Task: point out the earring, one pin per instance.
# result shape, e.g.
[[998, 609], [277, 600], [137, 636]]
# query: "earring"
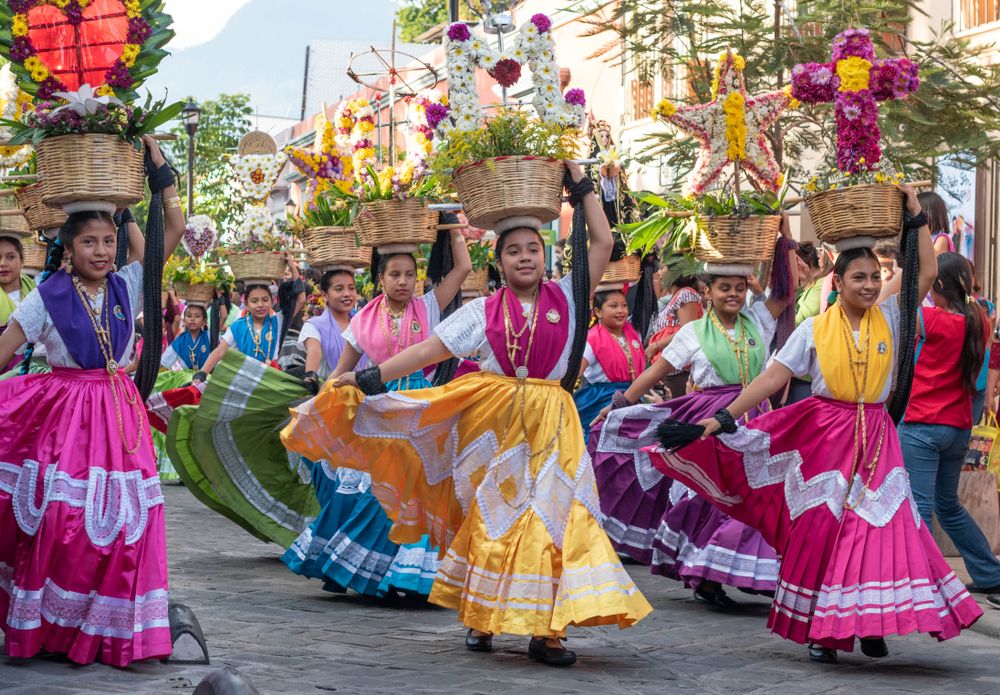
[[838, 299], [503, 280]]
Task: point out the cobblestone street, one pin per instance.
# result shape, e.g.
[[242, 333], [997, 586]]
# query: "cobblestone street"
[[288, 636]]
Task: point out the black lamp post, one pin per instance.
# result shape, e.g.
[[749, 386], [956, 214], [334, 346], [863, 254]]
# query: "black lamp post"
[[190, 115], [290, 206]]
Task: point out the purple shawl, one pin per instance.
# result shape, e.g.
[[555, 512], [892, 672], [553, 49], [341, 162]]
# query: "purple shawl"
[[332, 339], [70, 318], [551, 333]]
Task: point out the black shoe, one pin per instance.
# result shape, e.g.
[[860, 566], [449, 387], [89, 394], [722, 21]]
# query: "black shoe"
[[973, 589], [715, 599], [478, 643], [822, 655], [993, 600], [875, 647], [539, 650]]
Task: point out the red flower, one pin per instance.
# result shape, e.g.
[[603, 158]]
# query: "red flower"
[[507, 72]]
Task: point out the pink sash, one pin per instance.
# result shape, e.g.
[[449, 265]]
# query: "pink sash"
[[551, 333], [611, 356], [371, 336]]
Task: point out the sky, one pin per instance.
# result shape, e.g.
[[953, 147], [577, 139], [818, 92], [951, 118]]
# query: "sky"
[[198, 21]]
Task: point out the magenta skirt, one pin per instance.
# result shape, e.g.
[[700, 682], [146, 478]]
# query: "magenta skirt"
[[867, 572], [83, 561]]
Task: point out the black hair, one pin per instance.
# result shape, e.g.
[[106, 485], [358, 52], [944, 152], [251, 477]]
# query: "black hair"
[[713, 278], [378, 266], [16, 243], [936, 209], [502, 241], [807, 252], [204, 312], [240, 287], [560, 244], [600, 298], [685, 281], [845, 259], [327, 280], [256, 286], [383, 261], [954, 283], [76, 222], [887, 248]]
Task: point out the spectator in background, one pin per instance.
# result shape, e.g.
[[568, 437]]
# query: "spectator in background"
[[937, 220], [887, 252], [683, 306], [811, 274], [979, 400]]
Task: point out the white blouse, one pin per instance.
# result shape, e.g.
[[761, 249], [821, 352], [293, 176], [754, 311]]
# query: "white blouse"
[[433, 319], [310, 331], [38, 327], [799, 353], [464, 333], [15, 297], [685, 349]]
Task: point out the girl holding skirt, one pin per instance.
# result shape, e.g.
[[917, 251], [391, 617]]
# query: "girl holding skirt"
[[14, 286], [492, 465], [823, 479], [83, 566], [659, 521]]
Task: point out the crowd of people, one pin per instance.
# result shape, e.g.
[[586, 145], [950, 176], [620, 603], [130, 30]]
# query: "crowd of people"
[[500, 455]]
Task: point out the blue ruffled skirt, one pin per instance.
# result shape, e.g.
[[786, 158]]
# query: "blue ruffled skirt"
[[348, 545], [591, 399]]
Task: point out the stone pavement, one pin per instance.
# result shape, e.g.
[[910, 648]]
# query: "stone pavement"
[[288, 636]]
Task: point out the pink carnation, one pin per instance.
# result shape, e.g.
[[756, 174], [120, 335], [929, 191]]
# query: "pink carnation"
[[458, 32], [576, 97], [541, 22]]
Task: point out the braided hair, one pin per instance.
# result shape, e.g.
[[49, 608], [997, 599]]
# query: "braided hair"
[[909, 302], [645, 295], [215, 324], [440, 264], [581, 277]]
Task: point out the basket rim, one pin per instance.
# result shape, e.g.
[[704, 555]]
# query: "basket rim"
[[853, 187], [525, 157]]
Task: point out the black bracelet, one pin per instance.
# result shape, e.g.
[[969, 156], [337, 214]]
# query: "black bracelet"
[[914, 221], [160, 178], [577, 189], [200, 376], [370, 381], [726, 422]]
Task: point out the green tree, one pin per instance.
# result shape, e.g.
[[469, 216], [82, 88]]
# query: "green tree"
[[954, 112], [418, 16]]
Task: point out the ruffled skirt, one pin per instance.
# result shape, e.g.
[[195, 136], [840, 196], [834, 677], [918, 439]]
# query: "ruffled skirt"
[[591, 399], [525, 551], [870, 571]]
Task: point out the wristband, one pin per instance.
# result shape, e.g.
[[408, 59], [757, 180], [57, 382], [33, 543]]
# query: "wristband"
[[312, 374], [200, 376], [618, 400], [577, 189], [159, 178], [370, 381], [726, 422], [914, 221]]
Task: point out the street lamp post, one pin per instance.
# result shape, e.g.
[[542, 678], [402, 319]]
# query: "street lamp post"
[[190, 116]]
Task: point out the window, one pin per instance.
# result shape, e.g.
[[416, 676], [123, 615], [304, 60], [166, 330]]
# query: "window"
[[976, 13]]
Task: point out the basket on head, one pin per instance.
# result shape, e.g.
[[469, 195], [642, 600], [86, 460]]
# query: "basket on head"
[[628, 269], [40, 217], [856, 216], [392, 222], [335, 246], [257, 268], [34, 257], [477, 281], [735, 245], [198, 293], [14, 225], [492, 190], [90, 167]]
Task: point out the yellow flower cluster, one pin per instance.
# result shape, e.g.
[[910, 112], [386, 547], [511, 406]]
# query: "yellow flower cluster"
[[324, 134], [738, 63], [421, 142], [853, 73], [19, 27], [793, 103], [132, 9], [38, 71], [736, 128], [22, 99], [130, 53], [363, 157], [894, 179], [663, 109], [406, 170], [385, 178]]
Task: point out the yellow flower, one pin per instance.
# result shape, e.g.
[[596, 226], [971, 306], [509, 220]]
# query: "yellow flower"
[[32, 63], [861, 161], [130, 53], [20, 25], [132, 8], [810, 186], [853, 73], [105, 91], [793, 103], [664, 108], [736, 129]]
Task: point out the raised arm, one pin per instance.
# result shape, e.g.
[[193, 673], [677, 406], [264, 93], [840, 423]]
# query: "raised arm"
[[598, 230], [451, 284], [408, 361], [173, 217], [774, 306], [928, 259]]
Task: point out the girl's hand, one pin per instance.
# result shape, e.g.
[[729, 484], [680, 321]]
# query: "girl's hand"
[[786, 227], [912, 204], [653, 350], [575, 172], [154, 150], [290, 259], [654, 397], [753, 284], [710, 425], [602, 416], [346, 379]]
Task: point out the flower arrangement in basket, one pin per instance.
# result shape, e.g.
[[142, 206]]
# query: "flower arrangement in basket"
[[856, 201], [482, 253], [326, 232], [12, 220], [34, 256], [196, 281], [325, 164]]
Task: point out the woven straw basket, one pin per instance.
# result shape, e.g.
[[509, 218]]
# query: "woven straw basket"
[[514, 186], [90, 167], [326, 246], [267, 265], [199, 292], [872, 210], [34, 256], [384, 222], [40, 217], [477, 281], [735, 240], [627, 269], [15, 225]]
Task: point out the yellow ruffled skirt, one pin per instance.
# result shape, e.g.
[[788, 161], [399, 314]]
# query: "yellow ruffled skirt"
[[526, 553]]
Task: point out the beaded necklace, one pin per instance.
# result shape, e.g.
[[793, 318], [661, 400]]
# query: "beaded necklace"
[[256, 337], [739, 346]]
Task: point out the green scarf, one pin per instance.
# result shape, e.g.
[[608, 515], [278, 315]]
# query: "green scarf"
[[719, 350], [7, 304]]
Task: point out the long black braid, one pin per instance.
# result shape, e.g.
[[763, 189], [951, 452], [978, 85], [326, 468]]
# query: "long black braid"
[[288, 291], [909, 302], [645, 296], [122, 221], [581, 278], [440, 264], [215, 323], [53, 261]]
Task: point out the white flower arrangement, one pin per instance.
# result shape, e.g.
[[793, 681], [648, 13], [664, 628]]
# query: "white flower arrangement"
[[257, 223], [11, 99], [531, 45], [258, 172], [200, 235]]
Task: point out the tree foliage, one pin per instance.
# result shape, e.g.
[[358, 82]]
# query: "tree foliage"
[[418, 16], [954, 112]]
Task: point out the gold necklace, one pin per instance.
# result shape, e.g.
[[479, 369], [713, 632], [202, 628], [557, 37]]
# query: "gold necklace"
[[192, 355], [511, 337], [393, 317], [104, 342], [742, 352], [393, 331], [623, 344], [256, 338]]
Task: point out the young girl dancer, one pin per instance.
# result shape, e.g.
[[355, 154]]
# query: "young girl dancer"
[[492, 465], [661, 522], [83, 567], [823, 479], [190, 349], [14, 286], [322, 337]]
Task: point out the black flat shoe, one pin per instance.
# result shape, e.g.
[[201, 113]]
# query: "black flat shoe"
[[973, 589], [874, 647], [539, 650], [478, 643], [716, 599], [822, 655]]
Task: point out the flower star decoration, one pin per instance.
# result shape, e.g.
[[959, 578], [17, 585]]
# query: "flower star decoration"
[[84, 101], [854, 81], [730, 128]]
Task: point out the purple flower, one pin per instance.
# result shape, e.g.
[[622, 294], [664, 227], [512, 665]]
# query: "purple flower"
[[21, 49], [458, 32], [21, 6], [50, 85], [822, 75], [809, 89], [74, 13], [576, 97], [138, 30], [542, 22], [853, 42], [435, 114], [118, 75]]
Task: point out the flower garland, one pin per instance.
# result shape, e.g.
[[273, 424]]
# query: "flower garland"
[[200, 235], [147, 32], [13, 103], [324, 165], [428, 117], [355, 121], [534, 46], [258, 172], [258, 225]]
